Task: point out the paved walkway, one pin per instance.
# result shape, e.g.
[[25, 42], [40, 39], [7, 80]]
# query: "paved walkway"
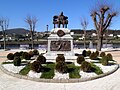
[[111, 82]]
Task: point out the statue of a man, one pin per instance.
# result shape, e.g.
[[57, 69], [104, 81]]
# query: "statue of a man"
[[61, 19]]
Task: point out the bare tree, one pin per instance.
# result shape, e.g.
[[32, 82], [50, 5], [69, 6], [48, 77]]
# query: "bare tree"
[[102, 19], [84, 24], [4, 23], [31, 21]]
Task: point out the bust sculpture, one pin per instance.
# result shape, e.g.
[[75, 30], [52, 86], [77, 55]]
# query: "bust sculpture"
[[61, 19]]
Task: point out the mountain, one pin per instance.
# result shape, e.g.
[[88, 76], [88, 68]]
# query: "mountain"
[[17, 31]]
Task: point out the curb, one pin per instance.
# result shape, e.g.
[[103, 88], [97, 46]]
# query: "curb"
[[57, 80]]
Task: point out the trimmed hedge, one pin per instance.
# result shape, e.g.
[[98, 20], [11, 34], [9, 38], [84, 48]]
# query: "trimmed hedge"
[[10, 56], [41, 59], [60, 58], [61, 67], [102, 54], [80, 59], [36, 52], [36, 66], [109, 56], [88, 53], [26, 56], [84, 53], [85, 66], [93, 56], [104, 61], [17, 61]]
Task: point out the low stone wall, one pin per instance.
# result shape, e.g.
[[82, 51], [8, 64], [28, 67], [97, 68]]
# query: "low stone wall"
[[57, 80]]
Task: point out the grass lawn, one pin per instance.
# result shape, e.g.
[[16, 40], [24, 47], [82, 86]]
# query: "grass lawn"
[[12, 62], [96, 69], [7, 62], [49, 71], [25, 70], [73, 71]]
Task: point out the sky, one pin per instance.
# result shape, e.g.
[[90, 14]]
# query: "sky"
[[44, 10]]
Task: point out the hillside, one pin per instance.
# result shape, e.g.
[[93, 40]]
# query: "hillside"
[[17, 31]]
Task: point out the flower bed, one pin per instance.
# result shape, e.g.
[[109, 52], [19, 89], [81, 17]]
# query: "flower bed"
[[47, 69]]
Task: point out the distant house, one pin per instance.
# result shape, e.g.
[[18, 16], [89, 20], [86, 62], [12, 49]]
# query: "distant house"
[[94, 34]]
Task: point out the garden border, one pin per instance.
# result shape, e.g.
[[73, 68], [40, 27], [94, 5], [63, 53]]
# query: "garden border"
[[57, 80]]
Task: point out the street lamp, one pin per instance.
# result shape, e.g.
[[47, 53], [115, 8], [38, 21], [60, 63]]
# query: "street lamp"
[[47, 35], [47, 28]]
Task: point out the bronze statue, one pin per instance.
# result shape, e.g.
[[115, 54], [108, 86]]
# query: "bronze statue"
[[61, 19]]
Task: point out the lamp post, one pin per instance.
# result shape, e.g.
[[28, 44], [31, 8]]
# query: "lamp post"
[[47, 29], [47, 34]]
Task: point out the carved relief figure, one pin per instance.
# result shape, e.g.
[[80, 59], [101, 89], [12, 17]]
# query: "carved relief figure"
[[60, 46]]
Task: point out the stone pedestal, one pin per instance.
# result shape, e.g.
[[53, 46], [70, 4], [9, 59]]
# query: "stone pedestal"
[[60, 42]]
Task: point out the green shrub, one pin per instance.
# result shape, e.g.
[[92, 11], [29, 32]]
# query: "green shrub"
[[17, 61], [88, 53], [16, 54], [93, 56], [80, 59], [85, 66], [31, 53], [109, 56], [10, 56], [36, 66], [36, 52], [61, 67], [26, 56], [104, 61], [84, 53], [97, 53], [60, 58], [102, 54], [41, 59], [21, 52]]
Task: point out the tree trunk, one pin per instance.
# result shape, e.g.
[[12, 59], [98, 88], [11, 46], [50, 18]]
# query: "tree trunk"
[[4, 37], [84, 42], [84, 38], [32, 41], [99, 44]]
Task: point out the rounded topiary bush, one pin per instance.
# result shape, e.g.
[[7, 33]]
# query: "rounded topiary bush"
[[16, 54], [17, 61], [61, 67], [102, 54], [93, 56], [41, 59], [84, 53], [80, 59], [85, 66], [60, 58], [36, 66], [21, 52], [109, 56], [10, 56], [36, 52], [31, 53], [88, 53], [104, 61], [26, 56], [97, 53]]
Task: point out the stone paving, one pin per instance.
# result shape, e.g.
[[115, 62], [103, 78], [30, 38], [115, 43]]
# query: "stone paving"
[[111, 82]]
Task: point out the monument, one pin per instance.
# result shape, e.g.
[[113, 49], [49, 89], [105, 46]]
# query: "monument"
[[60, 40]]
